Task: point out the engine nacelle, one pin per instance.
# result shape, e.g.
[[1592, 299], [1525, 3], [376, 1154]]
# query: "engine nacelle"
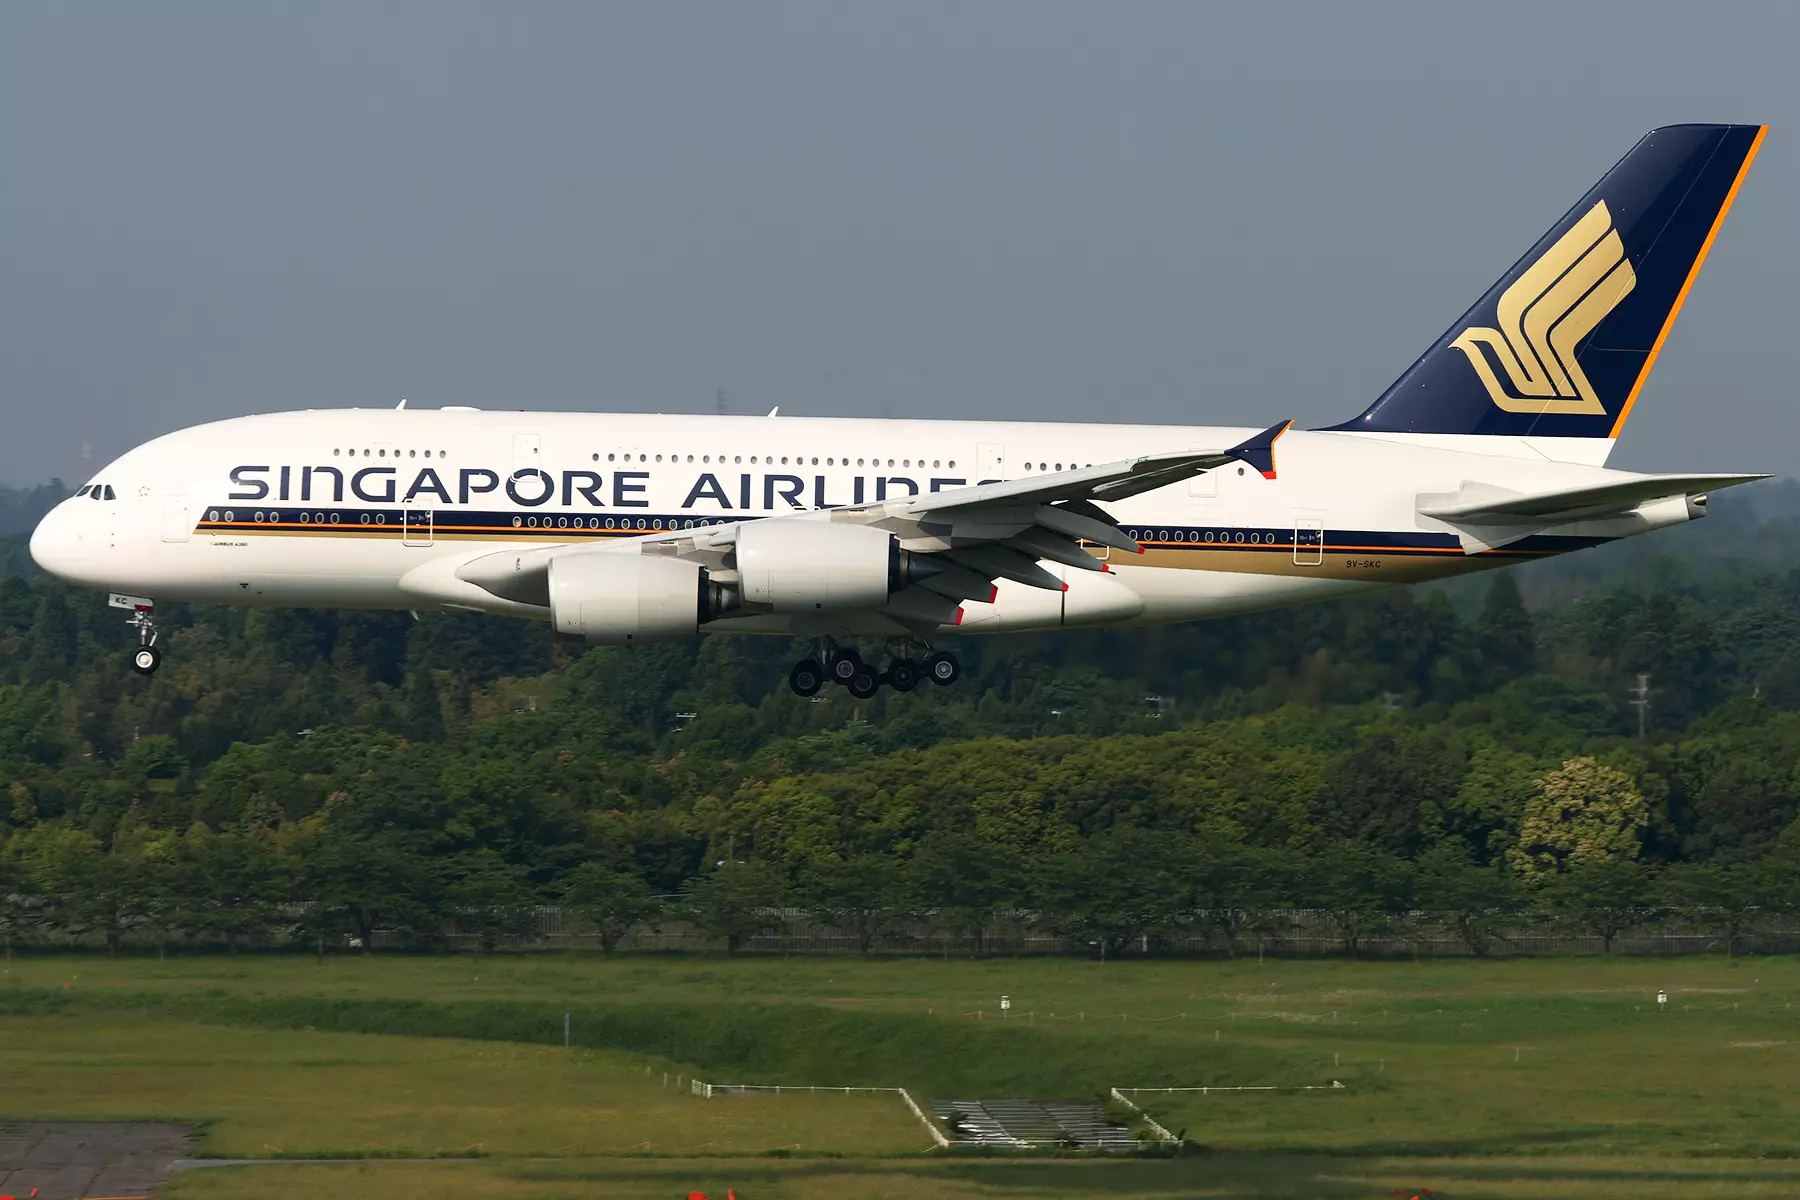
[[610, 598], [817, 566]]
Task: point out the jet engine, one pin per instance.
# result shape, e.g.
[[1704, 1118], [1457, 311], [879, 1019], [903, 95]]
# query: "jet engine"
[[818, 566], [612, 599]]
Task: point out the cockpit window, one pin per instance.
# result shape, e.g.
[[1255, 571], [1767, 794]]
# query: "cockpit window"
[[85, 488], [110, 494]]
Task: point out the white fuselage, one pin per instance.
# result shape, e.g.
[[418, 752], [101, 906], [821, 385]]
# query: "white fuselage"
[[377, 508]]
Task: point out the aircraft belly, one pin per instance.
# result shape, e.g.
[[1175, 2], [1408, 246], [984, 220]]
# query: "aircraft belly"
[[281, 571], [1171, 594]]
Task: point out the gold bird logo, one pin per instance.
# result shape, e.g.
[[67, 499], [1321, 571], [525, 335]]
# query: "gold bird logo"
[[1544, 315]]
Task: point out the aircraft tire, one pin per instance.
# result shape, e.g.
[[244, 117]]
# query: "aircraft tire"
[[145, 660], [903, 675], [844, 665], [864, 684], [807, 677], [942, 668]]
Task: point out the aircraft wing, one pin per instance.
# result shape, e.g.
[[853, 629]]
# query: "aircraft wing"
[[968, 537]]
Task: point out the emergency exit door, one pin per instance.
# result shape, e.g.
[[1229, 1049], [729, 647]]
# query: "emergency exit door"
[[1309, 541], [415, 527]]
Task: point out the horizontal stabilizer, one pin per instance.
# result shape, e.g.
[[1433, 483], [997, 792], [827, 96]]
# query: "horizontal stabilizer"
[[1484, 504]]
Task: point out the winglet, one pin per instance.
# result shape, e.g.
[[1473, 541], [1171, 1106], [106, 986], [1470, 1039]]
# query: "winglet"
[[1259, 451]]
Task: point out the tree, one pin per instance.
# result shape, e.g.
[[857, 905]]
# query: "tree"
[[89, 891], [862, 895], [1365, 891], [961, 882], [235, 882], [1473, 901], [1730, 900], [735, 901], [612, 900], [1583, 811], [363, 882], [1235, 886], [21, 908], [1115, 888], [491, 897], [1604, 897], [1505, 633], [51, 643]]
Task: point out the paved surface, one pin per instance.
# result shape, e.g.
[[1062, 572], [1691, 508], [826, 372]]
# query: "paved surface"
[[70, 1160], [1021, 1123]]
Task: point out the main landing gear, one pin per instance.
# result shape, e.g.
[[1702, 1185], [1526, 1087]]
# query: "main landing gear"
[[842, 665], [146, 658]]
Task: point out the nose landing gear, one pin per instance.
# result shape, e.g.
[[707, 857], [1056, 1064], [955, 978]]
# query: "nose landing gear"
[[146, 658], [842, 665]]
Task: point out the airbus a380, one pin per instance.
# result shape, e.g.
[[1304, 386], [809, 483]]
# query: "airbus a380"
[[618, 528]]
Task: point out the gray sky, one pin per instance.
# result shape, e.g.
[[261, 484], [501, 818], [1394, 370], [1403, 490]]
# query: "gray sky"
[[1162, 212]]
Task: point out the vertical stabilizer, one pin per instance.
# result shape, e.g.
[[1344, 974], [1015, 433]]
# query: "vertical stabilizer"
[[1562, 344]]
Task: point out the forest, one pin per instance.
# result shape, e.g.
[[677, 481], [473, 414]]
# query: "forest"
[[1603, 743]]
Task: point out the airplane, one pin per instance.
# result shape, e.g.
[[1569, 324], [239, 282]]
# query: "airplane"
[[620, 528]]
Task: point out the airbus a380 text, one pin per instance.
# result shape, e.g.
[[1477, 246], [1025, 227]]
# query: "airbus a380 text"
[[622, 528]]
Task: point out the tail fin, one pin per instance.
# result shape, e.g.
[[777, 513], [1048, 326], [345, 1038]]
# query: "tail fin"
[[1561, 345]]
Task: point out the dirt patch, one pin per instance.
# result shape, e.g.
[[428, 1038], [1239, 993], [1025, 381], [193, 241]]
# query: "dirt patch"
[[66, 1160]]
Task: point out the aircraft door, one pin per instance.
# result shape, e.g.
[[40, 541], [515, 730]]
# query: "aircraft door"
[[990, 461], [1309, 541], [527, 452], [416, 527], [177, 519]]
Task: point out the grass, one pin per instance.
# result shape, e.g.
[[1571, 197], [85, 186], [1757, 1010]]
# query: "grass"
[[1316, 1177], [269, 1093], [1513, 1078]]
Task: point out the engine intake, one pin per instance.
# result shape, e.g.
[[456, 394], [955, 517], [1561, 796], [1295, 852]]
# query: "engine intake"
[[817, 566], [609, 598]]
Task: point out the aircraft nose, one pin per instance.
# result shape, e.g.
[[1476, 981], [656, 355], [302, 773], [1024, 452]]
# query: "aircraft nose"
[[55, 546]]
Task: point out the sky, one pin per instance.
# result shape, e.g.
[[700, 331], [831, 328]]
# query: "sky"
[[1015, 209]]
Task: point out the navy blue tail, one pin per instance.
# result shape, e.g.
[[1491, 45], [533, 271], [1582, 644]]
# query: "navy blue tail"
[[1560, 346]]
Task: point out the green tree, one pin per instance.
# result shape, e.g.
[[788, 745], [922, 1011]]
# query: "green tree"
[[1366, 892], [736, 901], [614, 901], [1473, 901], [1584, 811], [864, 896], [961, 882], [50, 646], [1603, 897], [236, 882], [1505, 633], [361, 883], [1115, 888], [490, 897], [1732, 901]]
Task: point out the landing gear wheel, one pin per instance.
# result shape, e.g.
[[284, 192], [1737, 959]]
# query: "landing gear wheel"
[[942, 668], [807, 677], [145, 660], [864, 684], [903, 675], [845, 663]]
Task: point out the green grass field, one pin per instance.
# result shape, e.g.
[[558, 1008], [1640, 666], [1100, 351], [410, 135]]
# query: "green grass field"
[[1553, 1077]]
